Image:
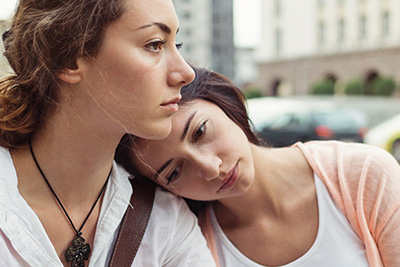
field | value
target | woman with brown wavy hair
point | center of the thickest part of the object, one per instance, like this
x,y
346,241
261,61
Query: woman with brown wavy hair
x,y
320,203
86,72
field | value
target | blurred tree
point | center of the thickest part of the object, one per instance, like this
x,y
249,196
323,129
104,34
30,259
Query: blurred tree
x,y
252,93
354,87
324,87
370,81
384,86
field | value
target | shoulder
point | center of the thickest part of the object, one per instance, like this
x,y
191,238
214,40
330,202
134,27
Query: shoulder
x,y
5,156
8,175
171,216
173,235
354,165
363,179
169,206
347,156
337,147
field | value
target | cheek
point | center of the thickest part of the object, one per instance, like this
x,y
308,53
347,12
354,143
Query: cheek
x,y
127,65
196,188
230,137
123,76
135,95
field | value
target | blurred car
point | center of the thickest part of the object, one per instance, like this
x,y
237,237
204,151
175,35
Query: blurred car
x,y
387,136
306,123
376,109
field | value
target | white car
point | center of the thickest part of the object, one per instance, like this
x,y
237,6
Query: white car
x,y
387,136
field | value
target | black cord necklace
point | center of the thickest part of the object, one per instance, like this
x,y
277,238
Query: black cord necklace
x,y
78,251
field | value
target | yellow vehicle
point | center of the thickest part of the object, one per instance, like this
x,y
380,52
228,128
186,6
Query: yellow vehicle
x,y
387,136
393,146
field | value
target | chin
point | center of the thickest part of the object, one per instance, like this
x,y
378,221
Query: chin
x,y
153,130
160,133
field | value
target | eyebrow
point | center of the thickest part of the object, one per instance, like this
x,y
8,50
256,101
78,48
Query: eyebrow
x,y
185,130
160,25
161,169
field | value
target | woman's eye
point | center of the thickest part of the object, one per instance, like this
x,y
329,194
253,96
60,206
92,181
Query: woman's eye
x,y
156,46
199,132
173,175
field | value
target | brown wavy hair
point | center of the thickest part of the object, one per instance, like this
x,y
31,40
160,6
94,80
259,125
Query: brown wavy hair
x,y
45,37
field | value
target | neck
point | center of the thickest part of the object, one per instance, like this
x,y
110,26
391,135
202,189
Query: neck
x,y
75,158
273,184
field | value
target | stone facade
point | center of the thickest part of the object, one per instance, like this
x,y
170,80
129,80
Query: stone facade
x,y
294,77
303,42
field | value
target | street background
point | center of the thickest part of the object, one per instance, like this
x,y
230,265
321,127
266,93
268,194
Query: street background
x,y
311,69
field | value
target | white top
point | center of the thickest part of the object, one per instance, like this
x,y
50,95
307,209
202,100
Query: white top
x,y
172,237
336,243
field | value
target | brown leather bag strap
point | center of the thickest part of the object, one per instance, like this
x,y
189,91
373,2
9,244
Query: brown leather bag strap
x,y
134,223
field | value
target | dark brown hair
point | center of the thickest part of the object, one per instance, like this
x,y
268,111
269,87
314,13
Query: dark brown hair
x,y
45,37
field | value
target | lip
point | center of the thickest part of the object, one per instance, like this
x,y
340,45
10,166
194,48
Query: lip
x,y
231,178
172,105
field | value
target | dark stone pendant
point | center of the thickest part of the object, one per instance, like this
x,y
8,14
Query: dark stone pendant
x,y
77,252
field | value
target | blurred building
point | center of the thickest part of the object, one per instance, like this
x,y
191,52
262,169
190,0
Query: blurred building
x,y
310,40
206,30
4,67
246,71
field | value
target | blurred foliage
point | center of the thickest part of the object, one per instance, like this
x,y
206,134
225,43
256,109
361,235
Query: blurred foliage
x,y
354,87
384,86
380,86
324,87
252,93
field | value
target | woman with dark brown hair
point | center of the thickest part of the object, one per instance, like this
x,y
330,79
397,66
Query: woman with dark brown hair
x,y
86,72
321,203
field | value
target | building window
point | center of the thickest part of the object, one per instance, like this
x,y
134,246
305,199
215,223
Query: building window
x,y
342,30
216,34
216,19
278,8
363,27
216,50
385,24
321,33
187,15
188,48
278,41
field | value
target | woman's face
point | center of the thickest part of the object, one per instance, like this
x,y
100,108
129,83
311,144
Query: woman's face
x,y
136,77
205,157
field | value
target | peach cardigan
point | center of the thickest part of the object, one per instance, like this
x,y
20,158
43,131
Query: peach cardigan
x,y
365,183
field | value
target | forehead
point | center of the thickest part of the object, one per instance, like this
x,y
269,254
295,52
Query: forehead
x,y
199,107
150,11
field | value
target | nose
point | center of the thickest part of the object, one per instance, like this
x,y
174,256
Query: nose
x,y
180,72
208,165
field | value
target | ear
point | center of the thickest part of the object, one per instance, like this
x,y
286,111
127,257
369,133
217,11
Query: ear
x,y
73,74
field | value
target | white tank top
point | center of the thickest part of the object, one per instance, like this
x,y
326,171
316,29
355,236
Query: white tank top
x,y
336,244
